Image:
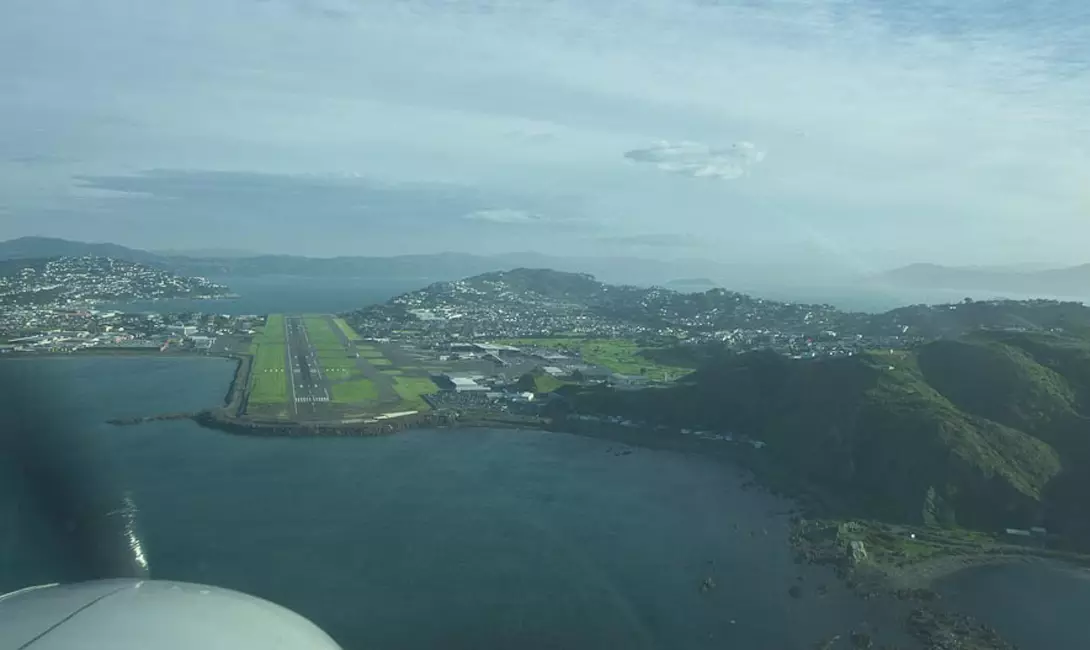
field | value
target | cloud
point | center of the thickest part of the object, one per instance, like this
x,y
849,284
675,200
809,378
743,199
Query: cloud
x,y
504,215
700,160
320,214
885,122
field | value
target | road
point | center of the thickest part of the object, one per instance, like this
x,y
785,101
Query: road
x,y
309,387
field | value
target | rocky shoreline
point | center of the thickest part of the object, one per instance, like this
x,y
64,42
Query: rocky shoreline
x,y
902,564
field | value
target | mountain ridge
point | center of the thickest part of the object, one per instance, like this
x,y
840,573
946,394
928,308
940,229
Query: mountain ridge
x,y
1071,280
720,309
989,430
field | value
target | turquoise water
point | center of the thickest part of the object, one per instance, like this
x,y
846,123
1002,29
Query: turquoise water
x,y
453,539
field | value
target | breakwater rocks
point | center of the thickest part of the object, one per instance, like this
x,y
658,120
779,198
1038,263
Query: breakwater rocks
x,y
940,630
868,556
122,422
224,422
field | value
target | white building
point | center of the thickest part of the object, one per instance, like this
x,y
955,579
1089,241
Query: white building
x,y
465,384
182,330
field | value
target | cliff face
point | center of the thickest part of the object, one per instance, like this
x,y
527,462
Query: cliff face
x,y
989,430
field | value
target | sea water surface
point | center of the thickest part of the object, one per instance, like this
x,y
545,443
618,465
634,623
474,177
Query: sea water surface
x,y
301,294
463,538
1032,605
277,293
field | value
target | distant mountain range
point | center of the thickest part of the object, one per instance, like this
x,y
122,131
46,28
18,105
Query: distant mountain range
x,y
228,263
45,247
1022,280
1070,281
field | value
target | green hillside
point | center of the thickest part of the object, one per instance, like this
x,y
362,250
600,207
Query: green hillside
x,y
989,430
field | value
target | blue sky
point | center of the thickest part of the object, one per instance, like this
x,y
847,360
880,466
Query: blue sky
x,y
860,134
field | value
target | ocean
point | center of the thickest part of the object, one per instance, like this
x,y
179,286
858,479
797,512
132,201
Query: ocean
x,y
262,295
454,539
1030,605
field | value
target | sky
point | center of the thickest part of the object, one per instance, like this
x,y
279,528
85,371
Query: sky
x,y
864,134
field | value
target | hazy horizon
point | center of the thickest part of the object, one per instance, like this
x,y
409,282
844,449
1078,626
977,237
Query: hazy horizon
x,y
229,253
850,136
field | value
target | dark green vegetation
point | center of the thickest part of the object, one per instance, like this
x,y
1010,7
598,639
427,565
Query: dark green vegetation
x,y
986,431
624,356
538,381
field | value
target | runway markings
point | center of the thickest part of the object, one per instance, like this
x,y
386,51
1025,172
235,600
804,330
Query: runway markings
x,y
311,399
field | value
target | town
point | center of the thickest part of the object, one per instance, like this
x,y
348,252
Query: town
x,y
56,305
538,305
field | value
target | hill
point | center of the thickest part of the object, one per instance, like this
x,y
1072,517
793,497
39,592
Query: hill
x,y
60,282
47,247
951,320
990,430
1069,281
560,302
532,303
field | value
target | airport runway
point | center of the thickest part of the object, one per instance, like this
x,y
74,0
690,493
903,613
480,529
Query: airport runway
x,y
309,387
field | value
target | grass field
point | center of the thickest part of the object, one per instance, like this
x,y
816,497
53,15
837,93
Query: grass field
x,y
410,389
268,384
347,329
268,389
619,355
332,355
354,391
269,356
379,361
273,332
332,363
321,335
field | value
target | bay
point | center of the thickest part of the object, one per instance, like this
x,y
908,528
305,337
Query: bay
x,y
280,293
301,294
455,539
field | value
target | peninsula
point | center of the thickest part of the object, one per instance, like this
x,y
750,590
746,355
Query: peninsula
x,y
918,440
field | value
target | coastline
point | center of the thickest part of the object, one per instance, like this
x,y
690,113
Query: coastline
x,y
111,352
927,573
908,586
761,471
